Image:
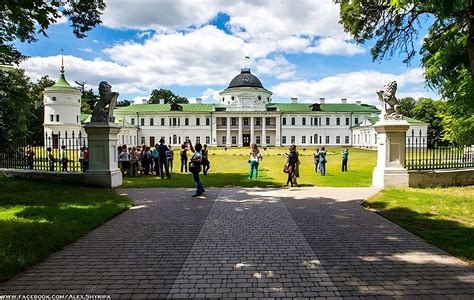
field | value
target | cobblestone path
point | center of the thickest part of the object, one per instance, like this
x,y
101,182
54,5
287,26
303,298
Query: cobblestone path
x,y
249,243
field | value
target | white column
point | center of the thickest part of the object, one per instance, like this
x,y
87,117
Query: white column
x,y
228,142
214,130
240,133
264,131
277,132
252,130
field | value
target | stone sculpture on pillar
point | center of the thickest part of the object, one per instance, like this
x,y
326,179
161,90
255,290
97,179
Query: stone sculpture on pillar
x,y
391,140
103,142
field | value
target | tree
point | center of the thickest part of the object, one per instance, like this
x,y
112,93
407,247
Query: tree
x,y
36,114
447,51
431,111
167,95
88,100
23,20
123,103
407,104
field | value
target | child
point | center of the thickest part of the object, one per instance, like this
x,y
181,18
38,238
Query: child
x,y
255,157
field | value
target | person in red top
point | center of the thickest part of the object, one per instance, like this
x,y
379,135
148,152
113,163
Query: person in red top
x,y
86,159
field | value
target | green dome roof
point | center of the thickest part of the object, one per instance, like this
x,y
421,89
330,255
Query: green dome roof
x,y
62,82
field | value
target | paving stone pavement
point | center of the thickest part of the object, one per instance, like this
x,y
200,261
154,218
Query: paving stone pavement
x,y
250,243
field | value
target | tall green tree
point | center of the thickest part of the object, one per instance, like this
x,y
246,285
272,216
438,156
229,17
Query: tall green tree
x,y
431,111
36,118
407,105
23,20
447,51
167,95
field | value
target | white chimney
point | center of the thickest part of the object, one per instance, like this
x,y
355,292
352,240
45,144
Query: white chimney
x,y
344,100
358,102
198,100
322,100
294,100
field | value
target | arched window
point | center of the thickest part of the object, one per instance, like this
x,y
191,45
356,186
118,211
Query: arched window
x,y
315,138
175,139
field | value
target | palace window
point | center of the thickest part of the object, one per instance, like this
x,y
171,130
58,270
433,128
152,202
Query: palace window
x,y
347,121
198,121
53,98
267,121
152,122
162,121
233,121
208,139
356,121
303,140
338,139
293,139
267,140
258,121
198,139
283,139
346,139
293,121
328,121
132,121
303,121
224,140
234,140
51,118
246,121
327,139
174,122
224,121
142,140
142,121
208,121
257,139
152,141
338,121
77,119
186,121
57,118
284,121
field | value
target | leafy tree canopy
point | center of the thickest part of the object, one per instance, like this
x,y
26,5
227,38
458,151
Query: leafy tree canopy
x,y
447,51
166,95
23,20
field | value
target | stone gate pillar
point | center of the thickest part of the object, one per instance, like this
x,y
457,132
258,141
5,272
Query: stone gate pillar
x,y
391,139
103,157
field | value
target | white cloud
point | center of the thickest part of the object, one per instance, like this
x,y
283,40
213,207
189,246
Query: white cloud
x,y
330,46
277,67
359,85
88,50
210,95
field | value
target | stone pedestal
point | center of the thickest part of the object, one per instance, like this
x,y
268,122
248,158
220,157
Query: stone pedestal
x,y
103,161
391,139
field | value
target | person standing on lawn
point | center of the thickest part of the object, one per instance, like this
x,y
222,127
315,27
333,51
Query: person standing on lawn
x,y
156,160
169,158
183,154
345,158
206,164
163,162
30,157
195,167
290,166
64,159
255,157
322,161
51,159
134,159
316,160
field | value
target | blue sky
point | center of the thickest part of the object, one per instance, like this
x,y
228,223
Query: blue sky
x,y
297,50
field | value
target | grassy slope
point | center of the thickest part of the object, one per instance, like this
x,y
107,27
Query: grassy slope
x,y
442,216
38,218
231,168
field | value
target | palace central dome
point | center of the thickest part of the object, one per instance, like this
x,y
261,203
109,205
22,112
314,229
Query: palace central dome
x,y
245,79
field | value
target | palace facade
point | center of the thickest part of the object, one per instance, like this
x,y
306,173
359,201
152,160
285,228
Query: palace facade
x,y
245,114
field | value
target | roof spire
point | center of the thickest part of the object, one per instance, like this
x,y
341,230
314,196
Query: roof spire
x,y
62,61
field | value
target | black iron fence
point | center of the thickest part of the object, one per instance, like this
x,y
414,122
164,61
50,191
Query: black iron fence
x,y
65,152
422,153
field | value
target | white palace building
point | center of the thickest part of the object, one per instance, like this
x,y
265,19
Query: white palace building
x,y
245,115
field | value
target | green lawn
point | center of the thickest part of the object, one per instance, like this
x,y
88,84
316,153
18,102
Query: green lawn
x,y
231,168
442,216
38,218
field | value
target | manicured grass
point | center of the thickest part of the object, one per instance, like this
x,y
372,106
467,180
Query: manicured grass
x,y
442,216
38,218
231,168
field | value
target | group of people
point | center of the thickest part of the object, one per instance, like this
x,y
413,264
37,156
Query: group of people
x,y
144,160
63,159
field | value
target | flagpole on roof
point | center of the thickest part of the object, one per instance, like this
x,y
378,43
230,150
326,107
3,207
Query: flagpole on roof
x,y
245,61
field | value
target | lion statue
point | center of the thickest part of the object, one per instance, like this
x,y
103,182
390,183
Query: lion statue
x,y
387,96
102,113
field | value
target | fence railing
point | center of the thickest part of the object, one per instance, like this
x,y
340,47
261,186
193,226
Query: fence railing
x,y
424,154
57,152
